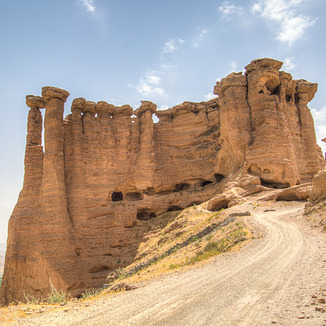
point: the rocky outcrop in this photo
(105, 170)
(318, 192)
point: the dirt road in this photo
(271, 281)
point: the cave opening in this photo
(218, 177)
(205, 183)
(133, 196)
(274, 185)
(150, 191)
(173, 208)
(181, 186)
(276, 91)
(117, 196)
(145, 214)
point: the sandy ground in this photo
(270, 281)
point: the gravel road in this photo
(270, 281)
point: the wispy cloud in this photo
(234, 66)
(228, 10)
(149, 85)
(88, 5)
(172, 45)
(292, 24)
(289, 63)
(201, 35)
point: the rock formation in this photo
(318, 192)
(105, 170)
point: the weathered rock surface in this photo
(104, 171)
(318, 192)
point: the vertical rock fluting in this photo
(62, 264)
(146, 154)
(23, 245)
(234, 123)
(311, 160)
(46, 253)
(104, 171)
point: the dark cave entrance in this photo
(117, 196)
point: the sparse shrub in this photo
(173, 266)
(121, 273)
(209, 237)
(56, 296)
(89, 293)
(30, 299)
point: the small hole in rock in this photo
(205, 183)
(174, 208)
(181, 186)
(218, 177)
(117, 196)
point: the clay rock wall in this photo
(105, 170)
(318, 192)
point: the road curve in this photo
(270, 281)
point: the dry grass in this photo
(183, 225)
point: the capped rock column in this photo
(146, 154)
(34, 149)
(122, 130)
(54, 190)
(61, 263)
(76, 184)
(271, 155)
(312, 156)
(234, 123)
(107, 141)
(23, 244)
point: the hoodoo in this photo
(104, 169)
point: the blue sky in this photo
(124, 51)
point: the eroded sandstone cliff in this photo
(105, 169)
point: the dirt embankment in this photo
(276, 279)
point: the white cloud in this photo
(149, 85)
(172, 45)
(202, 34)
(88, 5)
(291, 24)
(289, 64)
(210, 96)
(167, 66)
(227, 10)
(163, 107)
(234, 66)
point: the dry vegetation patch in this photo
(184, 238)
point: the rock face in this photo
(104, 171)
(318, 192)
